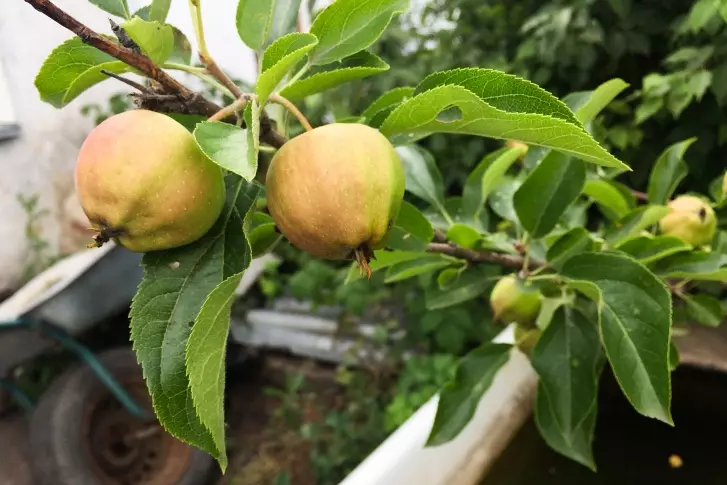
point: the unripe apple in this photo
(142, 180)
(335, 191)
(690, 219)
(512, 301)
(526, 337)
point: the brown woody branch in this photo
(184, 100)
(506, 260)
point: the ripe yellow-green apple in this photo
(335, 191)
(142, 181)
(690, 219)
(512, 302)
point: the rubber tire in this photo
(56, 443)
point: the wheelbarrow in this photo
(94, 425)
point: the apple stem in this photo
(103, 235)
(287, 104)
(362, 256)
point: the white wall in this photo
(41, 160)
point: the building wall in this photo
(40, 161)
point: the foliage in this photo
(548, 207)
(38, 258)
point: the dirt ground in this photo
(258, 450)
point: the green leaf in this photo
(143, 13)
(634, 222)
(285, 18)
(651, 249)
(155, 39)
(279, 59)
(421, 115)
(423, 178)
(72, 68)
(115, 7)
(464, 236)
(573, 242)
(262, 235)
(159, 10)
(568, 360)
(229, 146)
(348, 26)
(175, 286)
(695, 265)
(254, 19)
(704, 309)
(472, 282)
(415, 267)
(182, 50)
(502, 91)
(701, 13)
(635, 325)
(357, 66)
(608, 197)
(459, 397)
(414, 222)
(673, 356)
(485, 177)
(383, 259)
(549, 189)
(599, 99)
(385, 103)
(206, 361)
(668, 171)
(501, 200)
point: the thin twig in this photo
(230, 110)
(276, 98)
(204, 54)
(473, 256)
(639, 195)
(187, 102)
(127, 81)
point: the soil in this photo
(260, 448)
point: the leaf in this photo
(668, 171)
(573, 242)
(115, 7)
(357, 66)
(635, 325)
(262, 235)
(182, 50)
(420, 115)
(568, 360)
(704, 309)
(414, 222)
(694, 265)
(502, 91)
(279, 59)
(673, 357)
(485, 177)
(155, 39)
(382, 260)
(599, 99)
(634, 222)
(387, 101)
(175, 286)
(423, 178)
(285, 17)
(206, 361)
(159, 10)
(348, 26)
(227, 146)
(415, 267)
(651, 249)
(501, 200)
(459, 397)
(254, 19)
(472, 282)
(464, 236)
(612, 202)
(72, 68)
(549, 189)
(400, 240)
(701, 12)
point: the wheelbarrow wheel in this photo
(80, 434)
